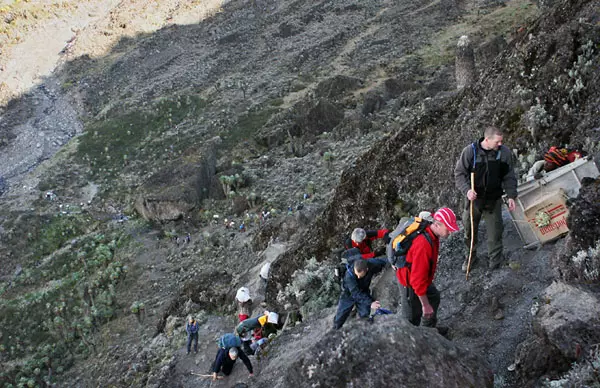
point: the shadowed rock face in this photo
(390, 352)
(176, 190)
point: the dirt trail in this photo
(491, 312)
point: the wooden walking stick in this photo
(472, 228)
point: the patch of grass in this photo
(247, 126)
(109, 145)
(276, 102)
(501, 21)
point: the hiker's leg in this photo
(195, 335)
(411, 306)
(434, 300)
(364, 309)
(189, 343)
(344, 308)
(493, 221)
(227, 368)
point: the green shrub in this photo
(313, 287)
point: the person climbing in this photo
(363, 241)
(257, 328)
(492, 165)
(554, 158)
(225, 361)
(355, 289)
(244, 303)
(191, 328)
(419, 297)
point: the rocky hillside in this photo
(160, 124)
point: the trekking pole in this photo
(472, 228)
(203, 375)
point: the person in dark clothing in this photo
(355, 289)
(494, 175)
(225, 361)
(420, 298)
(363, 241)
(191, 328)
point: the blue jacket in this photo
(359, 288)
(191, 328)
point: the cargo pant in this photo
(491, 212)
(345, 306)
(412, 309)
(192, 337)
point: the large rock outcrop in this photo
(579, 261)
(566, 325)
(389, 352)
(176, 190)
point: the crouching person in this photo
(355, 289)
(225, 361)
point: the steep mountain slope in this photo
(344, 113)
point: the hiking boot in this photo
(474, 260)
(496, 262)
(443, 330)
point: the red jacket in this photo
(365, 245)
(423, 258)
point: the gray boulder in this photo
(565, 327)
(390, 352)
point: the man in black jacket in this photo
(226, 359)
(494, 174)
(355, 289)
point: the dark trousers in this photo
(491, 212)
(192, 337)
(412, 309)
(345, 306)
(227, 368)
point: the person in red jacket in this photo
(420, 298)
(363, 241)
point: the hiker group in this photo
(483, 174)
(249, 338)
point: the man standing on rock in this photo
(191, 328)
(420, 298)
(494, 174)
(355, 289)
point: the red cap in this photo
(446, 216)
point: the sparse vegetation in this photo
(504, 21)
(139, 136)
(50, 314)
(313, 287)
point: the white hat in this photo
(264, 271)
(358, 235)
(243, 295)
(273, 317)
(425, 215)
